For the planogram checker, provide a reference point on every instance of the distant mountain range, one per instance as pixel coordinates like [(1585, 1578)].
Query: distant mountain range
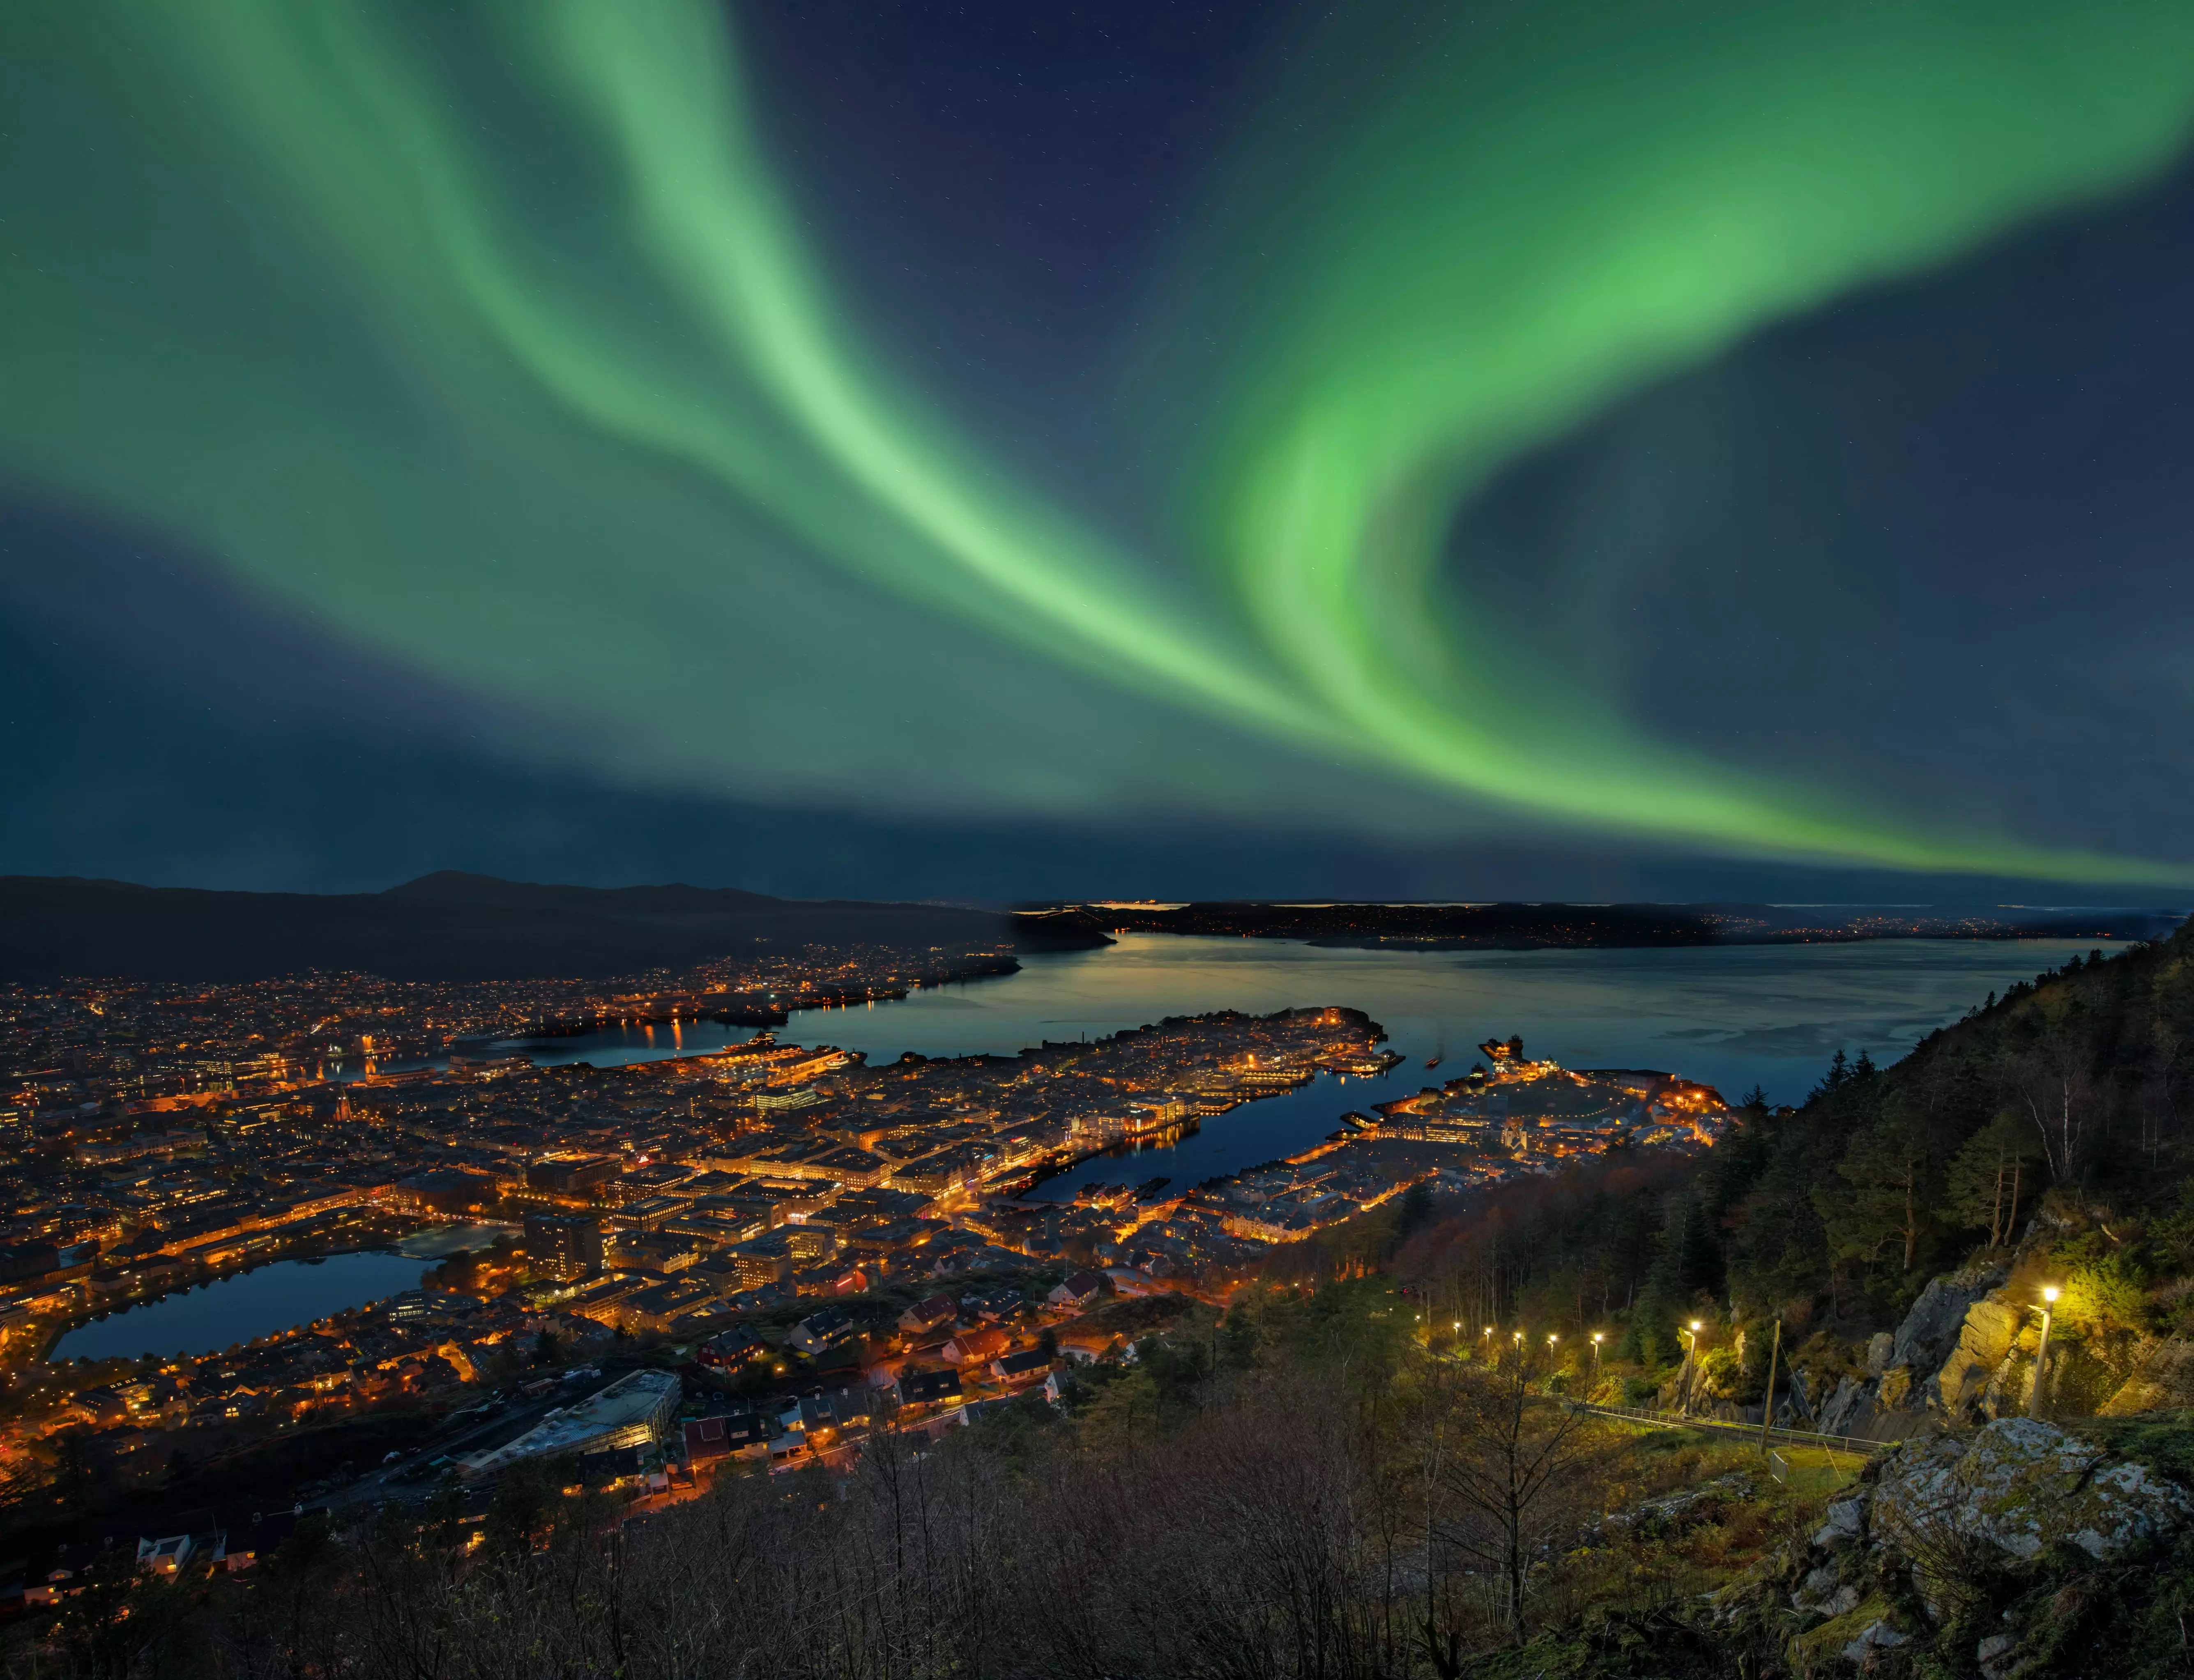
[(451, 925), (1527, 927)]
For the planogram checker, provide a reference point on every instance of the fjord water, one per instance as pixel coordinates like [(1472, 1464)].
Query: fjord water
[(1732, 1016)]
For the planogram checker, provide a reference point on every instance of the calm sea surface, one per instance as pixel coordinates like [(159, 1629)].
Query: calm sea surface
[(1732, 1016)]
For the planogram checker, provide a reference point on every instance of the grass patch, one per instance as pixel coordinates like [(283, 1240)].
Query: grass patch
[(2163, 1441)]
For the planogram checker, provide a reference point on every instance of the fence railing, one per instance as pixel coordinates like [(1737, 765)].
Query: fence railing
[(1798, 1437)]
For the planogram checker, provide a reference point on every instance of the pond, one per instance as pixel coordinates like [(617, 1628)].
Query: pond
[(215, 1316)]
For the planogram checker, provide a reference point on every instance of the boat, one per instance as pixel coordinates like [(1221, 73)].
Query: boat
[(1438, 1056)]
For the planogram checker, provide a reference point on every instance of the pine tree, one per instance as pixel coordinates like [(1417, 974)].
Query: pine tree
[(1993, 1176), (1889, 1192)]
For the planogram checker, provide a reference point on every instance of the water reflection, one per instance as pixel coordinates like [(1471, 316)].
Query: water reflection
[(268, 1298), (1731, 1016)]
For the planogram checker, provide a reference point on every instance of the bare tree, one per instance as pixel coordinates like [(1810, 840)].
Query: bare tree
[(2066, 1103), (1505, 1479)]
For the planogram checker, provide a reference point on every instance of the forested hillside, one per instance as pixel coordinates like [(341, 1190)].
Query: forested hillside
[(1832, 1216)]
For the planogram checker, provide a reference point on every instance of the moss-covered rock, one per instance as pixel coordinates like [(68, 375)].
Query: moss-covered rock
[(2022, 1484)]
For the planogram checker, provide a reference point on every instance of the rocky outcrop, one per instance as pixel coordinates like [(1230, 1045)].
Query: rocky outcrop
[(1955, 1338), (1850, 1408), (1985, 1342), (1866, 1584), (1931, 1329), (2019, 1484)]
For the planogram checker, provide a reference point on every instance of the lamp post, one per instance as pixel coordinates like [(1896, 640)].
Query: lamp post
[(1767, 1401), (2041, 1353), (1597, 1336), (1683, 1378)]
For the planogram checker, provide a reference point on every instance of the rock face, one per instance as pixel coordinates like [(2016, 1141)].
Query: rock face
[(1933, 1328), (1954, 1339), (1850, 1408), (2019, 1484), (2165, 1379), (1985, 1342)]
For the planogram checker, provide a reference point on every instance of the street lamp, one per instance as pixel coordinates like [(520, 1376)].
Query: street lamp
[(2041, 1353), (1597, 1337), (1683, 1378)]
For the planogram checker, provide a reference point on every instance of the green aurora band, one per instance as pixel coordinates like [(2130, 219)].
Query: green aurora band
[(545, 259)]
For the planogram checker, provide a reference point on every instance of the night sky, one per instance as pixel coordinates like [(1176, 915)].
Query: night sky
[(1548, 450)]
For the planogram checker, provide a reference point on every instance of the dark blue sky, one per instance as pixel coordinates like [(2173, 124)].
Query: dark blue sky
[(1926, 543)]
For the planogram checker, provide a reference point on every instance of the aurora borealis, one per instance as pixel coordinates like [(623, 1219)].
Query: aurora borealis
[(542, 356)]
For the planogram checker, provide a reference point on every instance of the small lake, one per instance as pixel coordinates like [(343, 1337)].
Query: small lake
[(256, 1303)]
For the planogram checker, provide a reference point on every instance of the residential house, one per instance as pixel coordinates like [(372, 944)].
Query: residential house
[(734, 1350), (971, 1349), (926, 1316), (740, 1434), (1025, 1366), (996, 1306), (1076, 1292), (820, 1332), (925, 1388)]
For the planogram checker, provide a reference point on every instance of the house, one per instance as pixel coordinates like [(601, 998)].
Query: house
[(925, 1388), (1022, 1367), (734, 1350), (993, 1305), (1077, 1292), (933, 1314), (164, 1557), (820, 1332), (973, 1349), (819, 1415), (744, 1434), (100, 1406)]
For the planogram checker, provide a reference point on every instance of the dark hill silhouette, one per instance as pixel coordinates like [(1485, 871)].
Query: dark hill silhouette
[(451, 925)]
